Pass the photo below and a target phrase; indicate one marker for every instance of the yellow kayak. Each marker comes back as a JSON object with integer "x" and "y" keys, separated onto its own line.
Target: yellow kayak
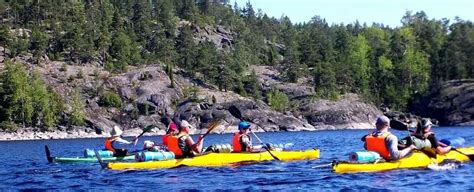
{"x": 416, "y": 160}
{"x": 217, "y": 159}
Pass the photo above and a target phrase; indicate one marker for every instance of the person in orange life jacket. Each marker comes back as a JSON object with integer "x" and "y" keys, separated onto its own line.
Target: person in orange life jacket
{"x": 423, "y": 131}
{"x": 383, "y": 142}
{"x": 241, "y": 141}
{"x": 116, "y": 144}
{"x": 172, "y": 130}
{"x": 182, "y": 145}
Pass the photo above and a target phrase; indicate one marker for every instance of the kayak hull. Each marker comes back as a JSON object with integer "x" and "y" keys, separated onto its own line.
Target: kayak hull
{"x": 415, "y": 160}
{"x": 217, "y": 159}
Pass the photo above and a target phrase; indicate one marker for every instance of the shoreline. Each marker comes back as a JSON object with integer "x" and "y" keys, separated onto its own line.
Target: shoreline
{"x": 31, "y": 135}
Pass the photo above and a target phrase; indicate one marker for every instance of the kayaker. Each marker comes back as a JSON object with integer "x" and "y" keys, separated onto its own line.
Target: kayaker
{"x": 150, "y": 146}
{"x": 172, "y": 130}
{"x": 242, "y": 141}
{"x": 115, "y": 143}
{"x": 384, "y": 142}
{"x": 182, "y": 145}
{"x": 429, "y": 141}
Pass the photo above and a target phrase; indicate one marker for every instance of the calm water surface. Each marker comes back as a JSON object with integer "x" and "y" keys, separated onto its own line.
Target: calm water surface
{"x": 24, "y": 166}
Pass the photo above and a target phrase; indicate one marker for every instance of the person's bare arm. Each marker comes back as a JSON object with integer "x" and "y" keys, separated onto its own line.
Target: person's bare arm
{"x": 195, "y": 147}
{"x": 442, "y": 150}
{"x": 392, "y": 144}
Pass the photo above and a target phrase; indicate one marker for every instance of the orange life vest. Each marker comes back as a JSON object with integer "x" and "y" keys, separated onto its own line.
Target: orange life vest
{"x": 236, "y": 142}
{"x": 165, "y": 139}
{"x": 377, "y": 144}
{"x": 108, "y": 145}
{"x": 173, "y": 145}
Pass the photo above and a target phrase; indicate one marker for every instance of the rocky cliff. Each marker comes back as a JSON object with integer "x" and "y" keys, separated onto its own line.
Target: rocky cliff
{"x": 452, "y": 103}
{"x": 147, "y": 95}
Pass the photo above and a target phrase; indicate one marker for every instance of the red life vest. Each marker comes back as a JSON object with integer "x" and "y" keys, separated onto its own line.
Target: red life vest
{"x": 236, "y": 142}
{"x": 108, "y": 145}
{"x": 377, "y": 144}
{"x": 173, "y": 145}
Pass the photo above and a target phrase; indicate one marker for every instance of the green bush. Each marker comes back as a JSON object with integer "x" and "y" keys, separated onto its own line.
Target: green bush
{"x": 9, "y": 126}
{"x": 278, "y": 100}
{"x": 78, "y": 113}
{"x": 191, "y": 93}
{"x": 110, "y": 99}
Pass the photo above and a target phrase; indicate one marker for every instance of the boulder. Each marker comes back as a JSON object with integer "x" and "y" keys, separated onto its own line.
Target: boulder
{"x": 125, "y": 93}
{"x": 348, "y": 113}
{"x": 146, "y": 107}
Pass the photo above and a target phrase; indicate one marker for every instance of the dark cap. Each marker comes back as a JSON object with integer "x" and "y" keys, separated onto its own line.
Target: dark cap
{"x": 381, "y": 120}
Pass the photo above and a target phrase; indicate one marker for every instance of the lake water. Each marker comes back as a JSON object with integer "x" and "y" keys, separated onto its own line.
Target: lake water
{"x": 24, "y": 167}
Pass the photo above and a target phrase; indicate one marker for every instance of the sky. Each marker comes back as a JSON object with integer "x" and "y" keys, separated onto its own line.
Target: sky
{"x": 387, "y": 12}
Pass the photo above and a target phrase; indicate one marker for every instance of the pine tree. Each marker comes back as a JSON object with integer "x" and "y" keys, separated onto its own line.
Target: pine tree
{"x": 141, "y": 19}
{"x": 38, "y": 43}
{"x": 5, "y": 37}
{"x": 207, "y": 62}
{"x": 166, "y": 16}
{"x": 121, "y": 51}
{"x": 187, "y": 49}
{"x": 324, "y": 79}
{"x": 292, "y": 67}
{"x": 253, "y": 85}
{"x": 73, "y": 25}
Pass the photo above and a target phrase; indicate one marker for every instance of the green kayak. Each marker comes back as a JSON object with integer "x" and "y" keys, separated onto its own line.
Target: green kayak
{"x": 53, "y": 159}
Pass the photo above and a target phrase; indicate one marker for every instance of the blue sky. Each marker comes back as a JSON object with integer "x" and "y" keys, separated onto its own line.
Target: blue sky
{"x": 388, "y": 12}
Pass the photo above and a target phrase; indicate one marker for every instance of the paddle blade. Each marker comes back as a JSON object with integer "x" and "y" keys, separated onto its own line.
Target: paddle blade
{"x": 48, "y": 154}
{"x": 165, "y": 120}
{"x": 234, "y": 111}
{"x": 398, "y": 125}
{"x": 99, "y": 159}
{"x": 212, "y": 126}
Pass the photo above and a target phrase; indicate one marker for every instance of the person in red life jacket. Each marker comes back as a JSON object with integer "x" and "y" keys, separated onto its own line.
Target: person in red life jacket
{"x": 182, "y": 145}
{"x": 242, "y": 142}
{"x": 423, "y": 132}
{"x": 116, "y": 144}
{"x": 384, "y": 142}
{"x": 172, "y": 130}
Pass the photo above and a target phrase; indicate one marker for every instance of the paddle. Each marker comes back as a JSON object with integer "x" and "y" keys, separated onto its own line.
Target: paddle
{"x": 99, "y": 159}
{"x": 234, "y": 111}
{"x": 398, "y": 125}
{"x": 211, "y": 127}
{"x": 146, "y": 129}
{"x": 48, "y": 154}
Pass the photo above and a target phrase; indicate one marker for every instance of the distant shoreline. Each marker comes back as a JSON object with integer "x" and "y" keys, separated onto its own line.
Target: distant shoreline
{"x": 29, "y": 134}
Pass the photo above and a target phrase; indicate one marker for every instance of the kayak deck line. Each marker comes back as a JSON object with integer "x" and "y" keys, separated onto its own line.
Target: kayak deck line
{"x": 416, "y": 159}
{"x": 217, "y": 159}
